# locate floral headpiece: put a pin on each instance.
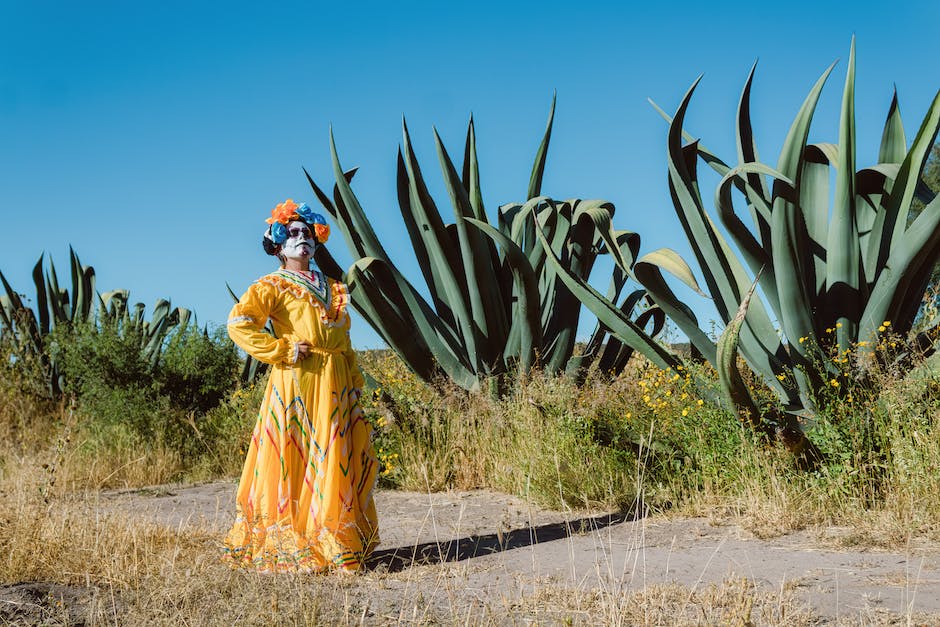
(288, 211)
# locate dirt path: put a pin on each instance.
(498, 541)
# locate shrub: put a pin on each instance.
(130, 408)
(197, 368)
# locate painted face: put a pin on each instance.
(299, 243)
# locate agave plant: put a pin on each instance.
(58, 306)
(830, 275)
(29, 328)
(113, 309)
(496, 298)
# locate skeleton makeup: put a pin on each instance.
(300, 242)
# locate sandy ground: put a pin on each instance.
(482, 544)
(498, 541)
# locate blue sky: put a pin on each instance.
(155, 137)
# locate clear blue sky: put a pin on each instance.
(155, 137)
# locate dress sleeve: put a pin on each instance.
(246, 323)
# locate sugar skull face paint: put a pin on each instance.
(300, 242)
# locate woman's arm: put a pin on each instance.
(246, 323)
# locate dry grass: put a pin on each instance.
(86, 565)
(546, 441)
(735, 601)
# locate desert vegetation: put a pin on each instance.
(649, 439)
(827, 324)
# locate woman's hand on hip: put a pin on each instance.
(303, 350)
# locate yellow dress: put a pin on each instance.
(305, 496)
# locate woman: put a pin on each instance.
(305, 496)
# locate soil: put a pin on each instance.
(499, 540)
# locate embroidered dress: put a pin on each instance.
(305, 496)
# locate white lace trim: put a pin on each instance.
(295, 353)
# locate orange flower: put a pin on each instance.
(322, 232)
(283, 212)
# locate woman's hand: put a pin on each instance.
(303, 350)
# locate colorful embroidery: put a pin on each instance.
(330, 298)
(305, 500)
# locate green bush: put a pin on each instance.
(125, 402)
(197, 368)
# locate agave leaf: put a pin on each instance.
(830, 151)
(736, 393)
(328, 205)
(156, 330)
(79, 296)
(376, 287)
(616, 354)
(844, 283)
(648, 271)
(707, 156)
(16, 302)
(891, 223)
(672, 262)
(443, 258)
(361, 236)
(893, 142)
(115, 303)
(756, 256)
(600, 213)
(327, 263)
(58, 298)
(183, 316)
(724, 274)
(756, 187)
(814, 199)
(471, 181)
(471, 174)
(609, 315)
(894, 296)
(340, 213)
(793, 260)
(20, 319)
(6, 313)
(231, 292)
(486, 303)
(590, 224)
(88, 282)
(538, 168)
(526, 318)
(42, 303)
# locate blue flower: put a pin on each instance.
(308, 215)
(278, 233)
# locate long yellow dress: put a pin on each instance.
(305, 496)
